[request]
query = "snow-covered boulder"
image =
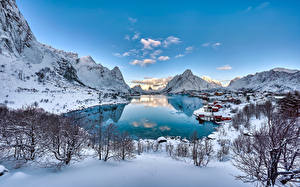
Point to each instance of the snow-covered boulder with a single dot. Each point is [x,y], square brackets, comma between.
[3,170]
[161,139]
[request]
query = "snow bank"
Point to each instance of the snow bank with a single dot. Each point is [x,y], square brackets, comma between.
[147,170]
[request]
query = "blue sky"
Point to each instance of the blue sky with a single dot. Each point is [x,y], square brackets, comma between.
[220,39]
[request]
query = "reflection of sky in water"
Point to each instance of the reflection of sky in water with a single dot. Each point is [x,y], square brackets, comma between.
[151,116]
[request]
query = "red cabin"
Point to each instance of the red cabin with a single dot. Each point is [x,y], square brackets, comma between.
[218,105]
[215,109]
[226,118]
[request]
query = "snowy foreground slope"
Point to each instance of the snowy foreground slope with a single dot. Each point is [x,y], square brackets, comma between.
[275,80]
[188,81]
[148,170]
[33,72]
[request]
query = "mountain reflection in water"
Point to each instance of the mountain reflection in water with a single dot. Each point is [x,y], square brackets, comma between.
[150,116]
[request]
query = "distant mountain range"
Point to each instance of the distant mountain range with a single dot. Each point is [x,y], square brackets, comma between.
[275,80]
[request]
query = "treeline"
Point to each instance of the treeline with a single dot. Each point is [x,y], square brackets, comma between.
[32,134]
[271,154]
[242,117]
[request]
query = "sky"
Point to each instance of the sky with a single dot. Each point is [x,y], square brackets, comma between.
[158,39]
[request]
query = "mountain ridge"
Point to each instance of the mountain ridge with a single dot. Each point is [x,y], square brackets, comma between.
[187,81]
[274,80]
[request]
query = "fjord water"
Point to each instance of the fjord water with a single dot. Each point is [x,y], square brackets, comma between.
[150,116]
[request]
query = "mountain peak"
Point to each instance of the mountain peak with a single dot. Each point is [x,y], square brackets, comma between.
[87,59]
[116,68]
[187,81]
[187,72]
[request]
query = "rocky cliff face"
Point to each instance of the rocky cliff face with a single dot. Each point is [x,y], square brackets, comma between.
[187,81]
[275,80]
[18,44]
[15,34]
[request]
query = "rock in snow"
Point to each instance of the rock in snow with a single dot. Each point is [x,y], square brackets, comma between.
[3,170]
[275,80]
[27,65]
[187,81]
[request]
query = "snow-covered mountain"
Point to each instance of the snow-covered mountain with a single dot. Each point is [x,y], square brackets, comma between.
[99,77]
[187,81]
[212,81]
[275,80]
[137,89]
[27,66]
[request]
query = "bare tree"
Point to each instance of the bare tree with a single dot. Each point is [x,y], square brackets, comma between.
[202,150]
[126,146]
[109,141]
[140,147]
[224,151]
[65,139]
[270,153]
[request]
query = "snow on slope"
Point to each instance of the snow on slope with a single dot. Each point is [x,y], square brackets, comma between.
[99,77]
[187,81]
[212,81]
[275,80]
[58,80]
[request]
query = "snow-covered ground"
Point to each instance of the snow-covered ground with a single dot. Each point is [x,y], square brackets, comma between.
[147,170]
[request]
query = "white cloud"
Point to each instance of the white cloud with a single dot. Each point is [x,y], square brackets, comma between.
[154,83]
[143,62]
[189,49]
[163,58]
[149,43]
[262,5]
[217,44]
[156,53]
[117,54]
[258,7]
[206,44]
[132,20]
[214,45]
[249,9]
[171,40]
[127,37]
[226,67]
[136,36]
[179,56]
[126,54]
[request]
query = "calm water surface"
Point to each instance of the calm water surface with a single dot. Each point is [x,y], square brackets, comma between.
[151,116]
